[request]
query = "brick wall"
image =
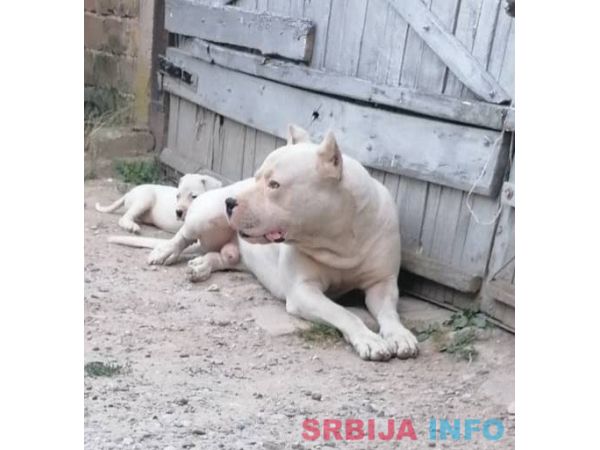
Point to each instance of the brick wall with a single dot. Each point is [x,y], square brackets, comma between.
[111,45]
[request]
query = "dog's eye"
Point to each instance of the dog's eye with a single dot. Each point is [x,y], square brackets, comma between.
[194,195]
[178,196]
[273,184]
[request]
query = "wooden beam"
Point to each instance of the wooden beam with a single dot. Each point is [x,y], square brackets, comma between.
[439,272]
[502,291]
[449,108]
[270,34]
[450,50]
[440,152]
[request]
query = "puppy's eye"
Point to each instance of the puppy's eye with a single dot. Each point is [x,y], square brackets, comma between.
[273,184]
[178,196]
[194,195]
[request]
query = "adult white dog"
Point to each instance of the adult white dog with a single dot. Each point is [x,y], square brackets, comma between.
[329,228]
[162,206]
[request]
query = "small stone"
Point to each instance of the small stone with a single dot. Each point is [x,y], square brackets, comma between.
[198,432]
[184,355]
[95,349]
[127,441]
[103,289]
[87,280]
[188,445]
[182,401]
[316,396]
[213,288]
[431,444]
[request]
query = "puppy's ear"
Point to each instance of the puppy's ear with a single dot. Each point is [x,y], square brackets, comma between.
[329,158]
[297,135]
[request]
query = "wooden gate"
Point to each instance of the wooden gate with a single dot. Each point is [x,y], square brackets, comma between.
[421,92]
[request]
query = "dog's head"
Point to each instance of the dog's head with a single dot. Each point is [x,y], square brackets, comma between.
[191,186]
[296,192]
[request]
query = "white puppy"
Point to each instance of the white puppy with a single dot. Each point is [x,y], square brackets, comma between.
[329,227]
[162,206]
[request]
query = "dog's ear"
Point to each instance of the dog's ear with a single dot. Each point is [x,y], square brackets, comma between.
[210,183]
[297,135]
[329,158]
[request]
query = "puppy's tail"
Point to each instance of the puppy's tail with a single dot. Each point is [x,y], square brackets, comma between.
[136,241]
[112,207]
[149,242]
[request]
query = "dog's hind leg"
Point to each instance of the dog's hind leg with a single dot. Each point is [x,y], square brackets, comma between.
[133,213]
[200,268]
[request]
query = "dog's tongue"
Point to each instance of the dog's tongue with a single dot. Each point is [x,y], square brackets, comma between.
[274,236]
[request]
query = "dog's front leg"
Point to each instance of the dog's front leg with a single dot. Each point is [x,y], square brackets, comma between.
[168,252]
[309,302]
[382,302]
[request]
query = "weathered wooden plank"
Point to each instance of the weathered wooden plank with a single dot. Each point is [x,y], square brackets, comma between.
[173,121]
[458,59]
[444,153]
[265,144]
[465,30]
[411,198]
[381,52]
[414,45]
[344,35]
[507,71]
[432,70]
[233,149]
[319,11]
[249,152]
[407,99]
[270,34]
[445,274]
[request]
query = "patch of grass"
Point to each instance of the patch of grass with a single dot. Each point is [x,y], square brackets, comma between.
[456,336]
[468,318]
[461,345]
[138,172]
[102,369]
[320,333]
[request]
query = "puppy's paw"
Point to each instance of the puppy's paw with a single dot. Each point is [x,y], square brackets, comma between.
[199,269]
[402,342]
[371,346]
[129,225]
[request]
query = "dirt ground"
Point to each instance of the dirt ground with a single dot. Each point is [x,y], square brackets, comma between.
[220,365]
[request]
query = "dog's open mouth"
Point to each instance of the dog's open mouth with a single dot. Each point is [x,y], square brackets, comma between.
[277,236]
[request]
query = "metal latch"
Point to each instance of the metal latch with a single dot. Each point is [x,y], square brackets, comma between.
[173,70]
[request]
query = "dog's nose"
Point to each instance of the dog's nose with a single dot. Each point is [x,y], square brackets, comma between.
[230,203]
[179,213]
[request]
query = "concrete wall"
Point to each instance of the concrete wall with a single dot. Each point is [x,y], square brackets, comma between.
[111,45]
[122,39]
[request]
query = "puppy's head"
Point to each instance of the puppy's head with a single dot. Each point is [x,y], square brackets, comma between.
[296,191]
[190,187]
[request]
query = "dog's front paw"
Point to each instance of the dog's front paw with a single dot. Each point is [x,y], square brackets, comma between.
[371,346]
[199,269]
[160,255]
[402,342]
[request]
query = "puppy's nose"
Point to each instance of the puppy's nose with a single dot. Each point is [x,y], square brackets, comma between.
[179,213]
[230,203]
